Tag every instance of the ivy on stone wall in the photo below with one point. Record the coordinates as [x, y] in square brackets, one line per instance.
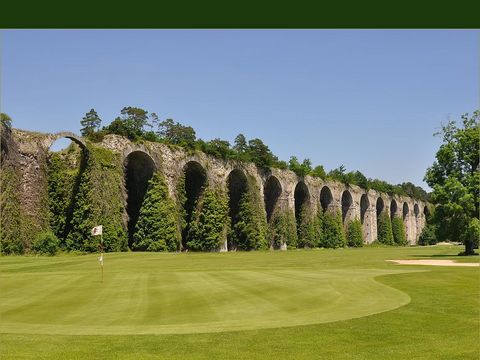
[209, 226]
[282, 229]
[384, 229]
[333, 233]
[398, 231]
[99, 202]
[10, 213]
[250, 231]
[354, 233]
[157, 225]
[306, 229]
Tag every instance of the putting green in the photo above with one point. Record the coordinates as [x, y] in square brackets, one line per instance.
[184, 293]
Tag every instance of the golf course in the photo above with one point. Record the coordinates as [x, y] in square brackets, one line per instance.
[300, 304]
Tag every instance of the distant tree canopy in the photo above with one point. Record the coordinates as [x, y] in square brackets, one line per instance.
[455, 179]
[137, 124]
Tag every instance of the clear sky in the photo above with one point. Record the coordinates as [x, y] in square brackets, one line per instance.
[368, 99]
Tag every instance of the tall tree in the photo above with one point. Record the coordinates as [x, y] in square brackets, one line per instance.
[176, 133]
[90, 123]
[455, 179]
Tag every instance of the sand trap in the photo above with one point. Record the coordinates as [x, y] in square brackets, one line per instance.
[433, 262]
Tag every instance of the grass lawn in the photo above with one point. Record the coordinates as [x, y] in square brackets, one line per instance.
[328, 304]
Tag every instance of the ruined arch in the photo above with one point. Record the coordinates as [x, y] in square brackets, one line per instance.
[195, 181]
[302, 198]
[379, 206]
[271, 192]
[416, 210]
[138, 169]
[68, 135]
[364, 205]
[405, 211]
[426, 212]
[326, 198]
[237, 186]
[347, 202]
[393, 208]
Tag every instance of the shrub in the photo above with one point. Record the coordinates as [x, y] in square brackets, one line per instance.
[46, 243]
[282, 229]
[428, 235]
[398, 230]
[384, 229]
[354, 234]
[156, 228]
[306, 229]
[208, 229]
[333, 234]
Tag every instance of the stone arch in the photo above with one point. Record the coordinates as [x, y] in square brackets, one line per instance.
[68, 135]
[271, 193]
[347, 202]
[195, 182]
[302, 199]
[364, 205]
[379, 206]
[405, 211]
[426, 212]
[138, 170]
[393, 208]
[237, 186]
[326, 198]
[416, 210]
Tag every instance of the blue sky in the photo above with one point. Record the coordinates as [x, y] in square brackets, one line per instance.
[368, 99]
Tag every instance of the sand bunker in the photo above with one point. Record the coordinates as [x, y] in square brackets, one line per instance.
[433, 262]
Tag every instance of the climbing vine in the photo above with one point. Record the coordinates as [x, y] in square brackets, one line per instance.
[282, 229]
[333, 233]
[157, 225]
[398, 231]
[384, 229]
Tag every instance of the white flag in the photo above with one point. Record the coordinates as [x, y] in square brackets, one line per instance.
[101, 259]
[97, 230]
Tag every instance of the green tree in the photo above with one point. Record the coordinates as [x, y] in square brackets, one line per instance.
[282, 229]
[260, 154]
[208, 229]
[398, 231]
[333, 233]
[301, 169]
[306, 229]
[240, 144]
[177, 134]
[157, 227]
[455, 179]
[354, 233]
[319, 172]
[90, 123]
[384, 229]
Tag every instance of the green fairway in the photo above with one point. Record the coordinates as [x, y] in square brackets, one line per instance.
[345, 303]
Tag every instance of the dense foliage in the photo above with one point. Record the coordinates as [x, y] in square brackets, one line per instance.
[333, 235]
[354, 234]
[428, 235]
[398, 231]
[249, 229]
[384, 229]
[307, 236]
[157, 227]
[11, 239]
[282, 229]
[99, 201]
[455, 179]
[46, 243]
[209, 226]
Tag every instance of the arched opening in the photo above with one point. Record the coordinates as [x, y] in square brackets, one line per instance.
[66, 160]
[364, 204]
[379, 206]
[347, 202]
[326, 198]
[195, 181]
[237, 186]
[426, 212]
[271, 193]
[405, 211]
[302, 197]
[393, 208]
[139, 168]
[416, 210]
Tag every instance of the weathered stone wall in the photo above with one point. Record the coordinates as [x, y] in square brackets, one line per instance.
[33, 150]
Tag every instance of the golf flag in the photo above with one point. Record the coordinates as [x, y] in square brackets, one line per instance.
[97, 230]
[101, 259]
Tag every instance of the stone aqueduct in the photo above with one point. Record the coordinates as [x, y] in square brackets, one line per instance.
[278, 188]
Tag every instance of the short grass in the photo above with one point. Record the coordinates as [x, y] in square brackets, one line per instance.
[328, 304]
